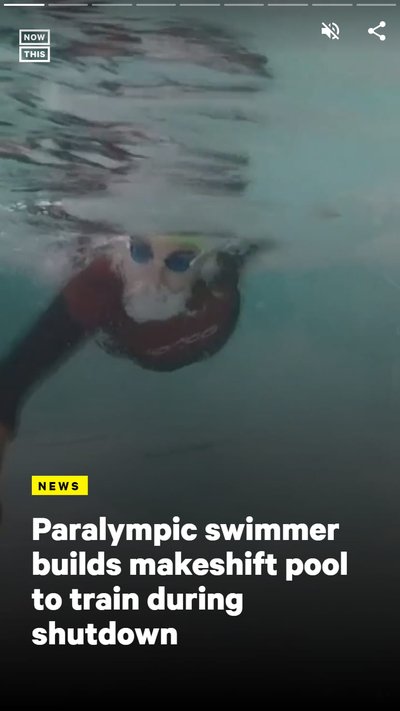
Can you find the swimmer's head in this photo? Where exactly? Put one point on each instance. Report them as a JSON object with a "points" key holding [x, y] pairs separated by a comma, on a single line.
{"points": [[159, 273], [175, 275]]}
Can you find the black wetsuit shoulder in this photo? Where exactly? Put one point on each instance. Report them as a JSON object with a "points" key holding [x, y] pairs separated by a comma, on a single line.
{"points": [[46, 345]]}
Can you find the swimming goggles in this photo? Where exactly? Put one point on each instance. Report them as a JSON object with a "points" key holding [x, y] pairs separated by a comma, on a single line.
{"points": [[180, 260], [193, 249]]}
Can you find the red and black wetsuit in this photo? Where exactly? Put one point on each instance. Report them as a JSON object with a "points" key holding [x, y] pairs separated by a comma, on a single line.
{"points": [[92, 302]]}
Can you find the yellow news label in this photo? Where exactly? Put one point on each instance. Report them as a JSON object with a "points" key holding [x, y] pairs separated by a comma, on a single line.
{"points": [[60, 485]]}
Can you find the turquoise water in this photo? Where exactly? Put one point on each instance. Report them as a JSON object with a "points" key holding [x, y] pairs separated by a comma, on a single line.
{"points": [[196, 130]]}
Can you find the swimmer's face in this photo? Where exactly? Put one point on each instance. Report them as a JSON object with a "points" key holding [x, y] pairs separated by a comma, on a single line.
{"points": [[164, 263], [158, 275]]}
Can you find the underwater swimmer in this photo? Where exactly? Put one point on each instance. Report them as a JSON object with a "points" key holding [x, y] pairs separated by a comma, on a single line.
{"points": [[164, 302]]}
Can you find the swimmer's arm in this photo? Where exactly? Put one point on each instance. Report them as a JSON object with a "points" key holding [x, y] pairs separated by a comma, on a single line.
{"points": [[76, 313], [4, 439], [53, 337]]}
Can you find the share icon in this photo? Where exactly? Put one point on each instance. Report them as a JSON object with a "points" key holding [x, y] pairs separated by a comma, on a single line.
{"points": [[372, 30]]}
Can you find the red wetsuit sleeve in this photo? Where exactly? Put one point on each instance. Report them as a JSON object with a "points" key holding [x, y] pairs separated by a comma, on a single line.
{"points": [[80, 309]]}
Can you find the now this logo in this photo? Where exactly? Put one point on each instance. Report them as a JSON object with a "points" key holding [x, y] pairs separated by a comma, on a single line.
{"points": [[34, 45]]}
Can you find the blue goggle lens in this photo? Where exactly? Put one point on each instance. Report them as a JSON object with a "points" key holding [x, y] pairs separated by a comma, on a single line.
{"points": [[179, 261], [141, 252]]}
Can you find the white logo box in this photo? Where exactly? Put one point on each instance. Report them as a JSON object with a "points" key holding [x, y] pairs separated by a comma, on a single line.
{"points": [[35, 37], [34, 48]]}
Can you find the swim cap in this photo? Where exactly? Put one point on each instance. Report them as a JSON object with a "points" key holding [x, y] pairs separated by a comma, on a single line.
{"points": [[190, 239]]}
